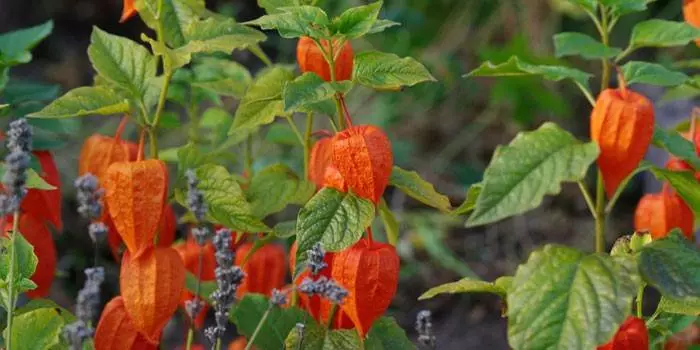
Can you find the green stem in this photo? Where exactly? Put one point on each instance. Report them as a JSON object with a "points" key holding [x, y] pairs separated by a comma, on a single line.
{"points": [[258, 328], [153, 142], [600, 215], [341, 114], [307, 142], [190, 338], [249, 156], [218, 344], [331, 316], [11, 292], [640, 299], [295, 129], [259, 53], [587, 197]]}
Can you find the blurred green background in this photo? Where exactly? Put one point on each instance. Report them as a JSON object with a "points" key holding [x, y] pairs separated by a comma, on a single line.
{"points": [[446, 130]]}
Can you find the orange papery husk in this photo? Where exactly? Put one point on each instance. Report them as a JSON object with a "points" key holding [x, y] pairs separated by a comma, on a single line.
{"points": [[151, 285], [128, 11], [363, 157], [319, 160], [34, 230], [691, 14], [45, 204], [659, 213], [189, 252], [310, 59], [632, 335], [239, 344], [370, 273], [116, 331], [166, 232], [264, 271], [312, 304], [99, 152], [622, 124], [135, 193]]}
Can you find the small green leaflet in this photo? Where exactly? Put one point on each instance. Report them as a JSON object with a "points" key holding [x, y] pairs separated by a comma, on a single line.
{"points": [[684, 183], [670, 265], [415, 187], [357, 21], [309, 89], [274, 187], [224, 77], [391, 225], [15, 45], [223, 35], [83, 101], [466, 285], [662, 33], [386, 334], [294, 22], [685, 306], [381, 70], [246, 314], [672, 142], [381, 25], [37, 329], [176, 16], [263, 100], [577, 44], [25, 262], [636, 72], [206, 288], [623, 7]]}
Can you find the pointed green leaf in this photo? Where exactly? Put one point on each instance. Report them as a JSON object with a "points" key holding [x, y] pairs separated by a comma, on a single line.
{"points": [[263, 100], [224, 77], [274, 187], [38, 329], [34, 181], [226, 201], [391, 225], [277, 6], [532, 166], [577, 44], [206, 288], [684, 183], [247, 313], [316, 337], [465, 285], [386, 334], [588, 5], [220, 35], [410, 183], [623, 7], [685, 306], [121, 61], [15, 45], [663, 33], [357, 21], [469, 201], [675, 144], [381, 25], [515, 67], [336, 220], [285, 229], [309, 89], [25, 259], [85, 101], [636, 72], [294, 22], [380, 70], [562, 298], [671, 266], [176, 16]]}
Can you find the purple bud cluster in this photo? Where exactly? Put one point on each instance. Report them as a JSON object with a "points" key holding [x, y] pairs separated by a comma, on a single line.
{"points": [[228, 278], [321, 286], [19, 141], [89, 197], [195, 197], [278, 298], [86, 308], [424, 327], [316, 255]]}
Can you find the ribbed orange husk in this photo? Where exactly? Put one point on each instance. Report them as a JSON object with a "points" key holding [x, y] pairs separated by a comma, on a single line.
{"points": [[660, 213], [622, 124], [151, 285], [166, 232], [362, 154], [128, 11], [99, 152], [311, 59], [135, 193], [684, 339], [691, 13], [264, 271], [333, 179], [632, 335], [34, 230], [319, 160], [313, 304], [46, 205], [239, 344], [370, 273], [115, 331], [189, 253]]}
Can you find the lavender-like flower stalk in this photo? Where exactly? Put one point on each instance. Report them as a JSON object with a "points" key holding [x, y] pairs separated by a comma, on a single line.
{"points": [[86, 309], [424, 327], [316, 255], [89, 196], [322, 286], [19, 141]]}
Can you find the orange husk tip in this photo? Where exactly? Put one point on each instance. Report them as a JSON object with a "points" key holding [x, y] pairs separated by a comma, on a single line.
{"points": [[264, 271], [151, 285], [34, 230], [363, 158], [99, 152], [691, 14], [632, 335], [189, 253], [116, 331], [622, 124], [310, 59], [128, 11], [135, 193], [166, 232], [370, 273], [660, 213]]}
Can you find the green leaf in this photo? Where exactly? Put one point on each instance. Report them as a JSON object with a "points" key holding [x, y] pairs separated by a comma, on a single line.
{"points": [[309, 89], [122, 62], [470, 200], [671, 265], [562, 298], [226, 201], [83, 101], [685, 306], [386, 334], [206, 288], [224, 77], [285, 229], [532, 166], [17, 92], [248, 312], [25, 259], [176, 16], [589, 5], [577, 44], [274, 187], [391, 226], [38, 329], [623, 7], [335, 219], [410, 183], [381, 70], [294, 22], [674, 143], [277, 6], [15, 45], [515, 67], [34, 181], [357, 21], [662, 33], [317, 337], [636, 72], [381, 25], [684, 183], [219, 35], [263, 100], [665, 325], [465, 285], [36, 304]]}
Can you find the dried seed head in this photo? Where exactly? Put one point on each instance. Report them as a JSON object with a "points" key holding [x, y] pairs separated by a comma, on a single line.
{"points": [[228, 278], [19, 136], [278, 298], [89, 297], [200, 235], [97, 230], [193, 307], [89, 196], [222, 242], [424, 327], [316, 255], [76, 334], [195, 197]]}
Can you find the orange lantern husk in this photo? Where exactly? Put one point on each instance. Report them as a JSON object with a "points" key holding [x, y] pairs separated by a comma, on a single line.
{"points": [[310, 59], [691, 14], [631, 335], [128, 11], [151, 285], [135, 195], [370, 272], [660, 213], [45, 205], [264, 271], [622, 124], [319, 160], [189, 253], [99, 152], [34, 230], [115, 330], [166, 232], [363, 157]]}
